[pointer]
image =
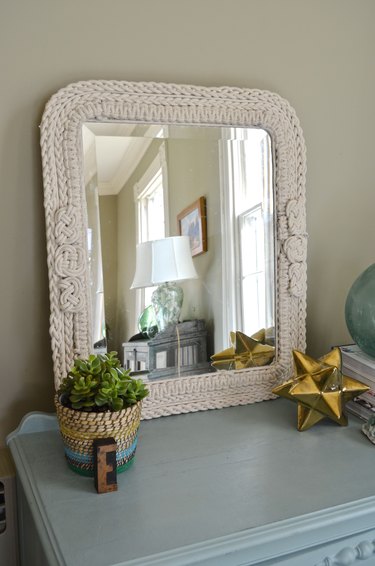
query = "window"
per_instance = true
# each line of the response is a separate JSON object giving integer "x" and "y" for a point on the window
{"x": 248, "y": 235}
{"x": 151, "y": 201}
{"x": 252, "y": 271}
{"x": 150, "y": 210}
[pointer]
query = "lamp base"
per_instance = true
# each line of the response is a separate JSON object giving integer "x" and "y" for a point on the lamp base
{"x": 167, "y": 302}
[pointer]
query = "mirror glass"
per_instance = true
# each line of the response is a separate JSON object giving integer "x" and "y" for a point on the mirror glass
{"x": 150, "y": 181}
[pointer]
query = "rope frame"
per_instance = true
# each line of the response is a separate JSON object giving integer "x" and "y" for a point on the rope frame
{"x": 66, "y": 224}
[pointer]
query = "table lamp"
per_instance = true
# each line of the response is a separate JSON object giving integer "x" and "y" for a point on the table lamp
{"x": 162, "y": 263}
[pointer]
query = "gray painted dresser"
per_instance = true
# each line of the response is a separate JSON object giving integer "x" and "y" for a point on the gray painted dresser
{"x": 237, "y": 486}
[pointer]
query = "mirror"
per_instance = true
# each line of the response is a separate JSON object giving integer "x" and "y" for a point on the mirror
{"x": 139, "y": 180}
{"x": 169, "y": 125}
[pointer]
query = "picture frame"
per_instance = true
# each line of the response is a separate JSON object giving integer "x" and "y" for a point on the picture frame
{"x": 192, "y": 222}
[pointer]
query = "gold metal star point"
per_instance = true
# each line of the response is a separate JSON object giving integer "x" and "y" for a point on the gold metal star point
{"x": 245, "y": 352}
{"x": 319, "y": 389}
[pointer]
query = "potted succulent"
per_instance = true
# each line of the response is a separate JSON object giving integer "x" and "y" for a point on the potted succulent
{"x": 99, "y": 399}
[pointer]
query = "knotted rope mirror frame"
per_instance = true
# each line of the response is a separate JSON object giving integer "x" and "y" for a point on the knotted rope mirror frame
{"x": 66, "y": 223}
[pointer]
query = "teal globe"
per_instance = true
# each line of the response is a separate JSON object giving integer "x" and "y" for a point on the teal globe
{"x": 360, "y": 311}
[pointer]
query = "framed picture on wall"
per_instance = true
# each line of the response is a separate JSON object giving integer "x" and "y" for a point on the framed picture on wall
{"x": 192, "y": 222}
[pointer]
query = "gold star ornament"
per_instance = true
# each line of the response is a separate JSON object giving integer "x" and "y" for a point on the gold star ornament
{"x": 245, "y": 352}
{"x": 320, "y": 389}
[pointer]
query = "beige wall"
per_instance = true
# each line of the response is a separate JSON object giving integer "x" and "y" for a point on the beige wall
{"x": 193, "y": 172}
{"x": 316, "y": 53}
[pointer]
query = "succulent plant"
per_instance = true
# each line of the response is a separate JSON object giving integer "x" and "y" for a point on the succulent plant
{"x": 100, "y": 384}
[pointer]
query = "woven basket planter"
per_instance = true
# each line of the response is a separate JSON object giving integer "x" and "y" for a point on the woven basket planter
{"x": 79, "y": 428}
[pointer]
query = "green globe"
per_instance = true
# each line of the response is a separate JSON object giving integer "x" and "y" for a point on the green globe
{"x": 360, "y": 311}
{"x": 147, "y": 323}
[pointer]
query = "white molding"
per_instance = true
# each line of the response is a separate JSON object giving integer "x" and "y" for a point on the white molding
{"x": 228, "y": 249}
{"x": 147, "y": 176}
{"x": 159, "y": 162}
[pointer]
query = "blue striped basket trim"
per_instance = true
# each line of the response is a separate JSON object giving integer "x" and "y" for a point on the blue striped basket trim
{"x": 122, "y": 454}
{"x": 85, "y": 446}
{"x": 88, "y": 458}
{"x": 87, "y": 469}
{"x": 89, "y": 472}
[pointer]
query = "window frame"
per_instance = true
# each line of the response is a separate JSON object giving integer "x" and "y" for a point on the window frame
{"x": 140, "y": 190}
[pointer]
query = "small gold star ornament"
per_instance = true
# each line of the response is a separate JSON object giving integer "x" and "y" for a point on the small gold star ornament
{"x": 320, "y": 389}
{"x": 245, "y": 352}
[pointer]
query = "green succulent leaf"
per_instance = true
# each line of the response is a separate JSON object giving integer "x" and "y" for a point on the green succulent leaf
{"x": 118, "y": 404}
{"x": 100, "y": 383}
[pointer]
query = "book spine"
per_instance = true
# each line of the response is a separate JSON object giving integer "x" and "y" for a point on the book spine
{"x": 358, "y": 371}
{"x": 366, "y": 379}
{"x": 369, "y": 397}
{"x": 358, "y": 410}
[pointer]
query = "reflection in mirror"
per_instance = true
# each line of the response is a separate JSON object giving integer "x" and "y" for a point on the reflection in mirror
{"x": 138, "y": 180}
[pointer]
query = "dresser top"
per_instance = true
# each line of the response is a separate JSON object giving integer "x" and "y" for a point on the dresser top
{"x": 229, "y": 478}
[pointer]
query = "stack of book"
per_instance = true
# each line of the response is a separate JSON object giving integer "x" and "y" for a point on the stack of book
{"x": 360, "y": 366}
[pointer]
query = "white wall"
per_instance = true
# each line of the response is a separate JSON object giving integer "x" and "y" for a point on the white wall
{"x": 316, "y": 53}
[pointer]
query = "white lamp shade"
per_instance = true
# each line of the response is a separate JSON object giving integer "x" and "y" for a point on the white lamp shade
{"x": 163, "y": 260}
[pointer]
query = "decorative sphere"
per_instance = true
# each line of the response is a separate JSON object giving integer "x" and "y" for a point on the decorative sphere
{"x": 360, "y": 311}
